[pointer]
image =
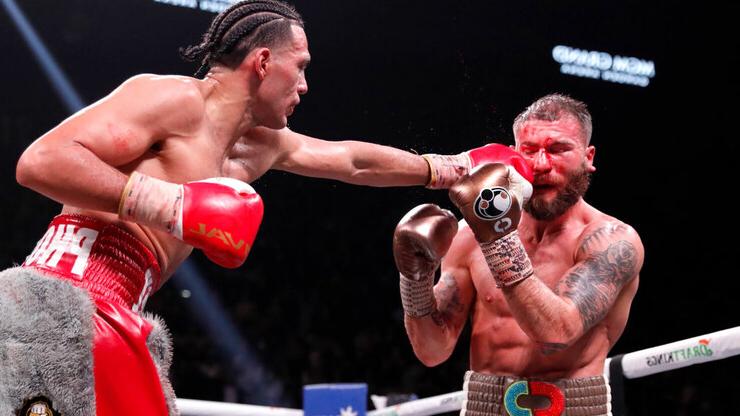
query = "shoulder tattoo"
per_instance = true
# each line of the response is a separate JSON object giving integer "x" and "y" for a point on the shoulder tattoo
{"x": 600, "y": 235}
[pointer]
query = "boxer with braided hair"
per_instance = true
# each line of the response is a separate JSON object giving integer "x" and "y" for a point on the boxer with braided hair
{"x": 246, "y": 25}
{"x": 238, "y": 29}
{"x": 546, "y": 279}
{"x": 156, "y": 168}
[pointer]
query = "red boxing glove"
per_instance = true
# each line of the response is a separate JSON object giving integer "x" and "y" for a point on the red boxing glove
{"x": 220, "y": 216}
{"x": 445, "y": 170}
{"x": 499, "y": 153}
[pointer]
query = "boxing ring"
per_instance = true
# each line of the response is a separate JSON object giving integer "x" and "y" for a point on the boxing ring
{"x": 696, "y": 350}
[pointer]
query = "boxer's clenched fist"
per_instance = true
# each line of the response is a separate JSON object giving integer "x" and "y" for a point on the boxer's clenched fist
{"x": 420, "y": 240}
{"x": 491, "y": 200}
{"x": 445, "y": 170}
{"x": 220, "y": 216}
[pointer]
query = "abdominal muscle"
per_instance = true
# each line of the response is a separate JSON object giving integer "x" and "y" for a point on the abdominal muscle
{"x": 500, "y": 347}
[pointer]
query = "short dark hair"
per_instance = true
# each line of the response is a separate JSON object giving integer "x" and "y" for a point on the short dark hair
{"x": 241, "y": 28}
{"x": 553, "y": 107}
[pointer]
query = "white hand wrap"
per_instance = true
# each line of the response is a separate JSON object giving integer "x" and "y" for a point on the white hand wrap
{"x": 444, "y": 170}
{"x": 152, "y": 202}
{"x": 507, "y": 259}
{"x": 417, "y": 297}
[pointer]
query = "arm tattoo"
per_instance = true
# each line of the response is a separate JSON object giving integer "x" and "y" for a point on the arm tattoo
{"x": 448, "y": 300}
{"x": 600, "y": 235}
{"x": 595, "y": 284}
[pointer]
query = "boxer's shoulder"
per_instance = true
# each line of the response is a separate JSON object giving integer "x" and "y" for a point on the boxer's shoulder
{"x": 603, "y": 232}
{"x": 149, "y": 79}
{"x": 163, "y": 102}
{"x": 184, "y": 93}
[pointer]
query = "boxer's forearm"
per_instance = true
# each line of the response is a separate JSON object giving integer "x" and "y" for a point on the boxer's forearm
{"x": 549, "y": 320}
{"x": 76, "y": 162}
{"x": 434, "y": 336}
{"x": 432, "y": 340}
{"x": 71, "y": 176}
{"x": 356, "y": 162}
{"x": 376, "y": 165}
{"x": 586, "y": 293}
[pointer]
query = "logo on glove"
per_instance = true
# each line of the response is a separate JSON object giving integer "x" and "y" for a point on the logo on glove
{"x": 492, "y": 203}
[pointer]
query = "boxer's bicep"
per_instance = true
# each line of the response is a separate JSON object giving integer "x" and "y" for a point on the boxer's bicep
{"x": 124, "y": 125}
{"x": 453, "y": 295}
{"x": 611, "y": 256}
{"x": 309, "y": 156}
{"x": 455, "y": 292}
{"x": 78, "y": 162}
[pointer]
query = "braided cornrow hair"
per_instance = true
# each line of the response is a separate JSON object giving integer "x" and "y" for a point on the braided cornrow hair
{"x": 239, "y": 29}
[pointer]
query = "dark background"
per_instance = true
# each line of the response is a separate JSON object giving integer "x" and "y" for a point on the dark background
{"x": 317, "y": 300}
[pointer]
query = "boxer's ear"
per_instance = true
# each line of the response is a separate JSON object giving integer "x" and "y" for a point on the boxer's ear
{"x": 590, "y": 153}
{"x": 260, "y": 60}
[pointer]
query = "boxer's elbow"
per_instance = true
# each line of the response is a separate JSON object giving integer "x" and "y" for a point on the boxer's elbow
{"x": 431, "y": 357}
{"x": 432, "y": 351}
{"x": 560, "y": 335}
{"x": 432, "y": 348}
{"x": 31, "y": 168}
{"x": 553, "y": 344}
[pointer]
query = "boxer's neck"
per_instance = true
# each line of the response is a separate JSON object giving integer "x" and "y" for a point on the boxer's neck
{"x": 227, "y": 102}
{"x": 538, "y": 229}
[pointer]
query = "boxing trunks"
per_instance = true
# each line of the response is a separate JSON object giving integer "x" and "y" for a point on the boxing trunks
{"x": 490, "y": 395}
{"x": 72, "y": 338}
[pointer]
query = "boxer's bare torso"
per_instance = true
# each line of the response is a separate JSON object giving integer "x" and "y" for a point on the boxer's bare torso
{"x": 559, "y": 253}
{"x": 174, "y": 128}
{"x": 498, "y": 343}
{"x": 188, "y": 147}
{"x": 562, "y": 320}
{"x": 175, "y": 139}
{"x": 186, "y": 138}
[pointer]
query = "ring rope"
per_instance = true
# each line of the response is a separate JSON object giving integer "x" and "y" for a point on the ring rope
{"x": 696, "y": 350}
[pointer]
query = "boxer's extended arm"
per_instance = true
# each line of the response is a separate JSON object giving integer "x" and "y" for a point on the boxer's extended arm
{"x": 610, "y": 256}
{"x": 350, "y": 161}
{"x": 363, "y": 163}
{"x": 76, "y": 163}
